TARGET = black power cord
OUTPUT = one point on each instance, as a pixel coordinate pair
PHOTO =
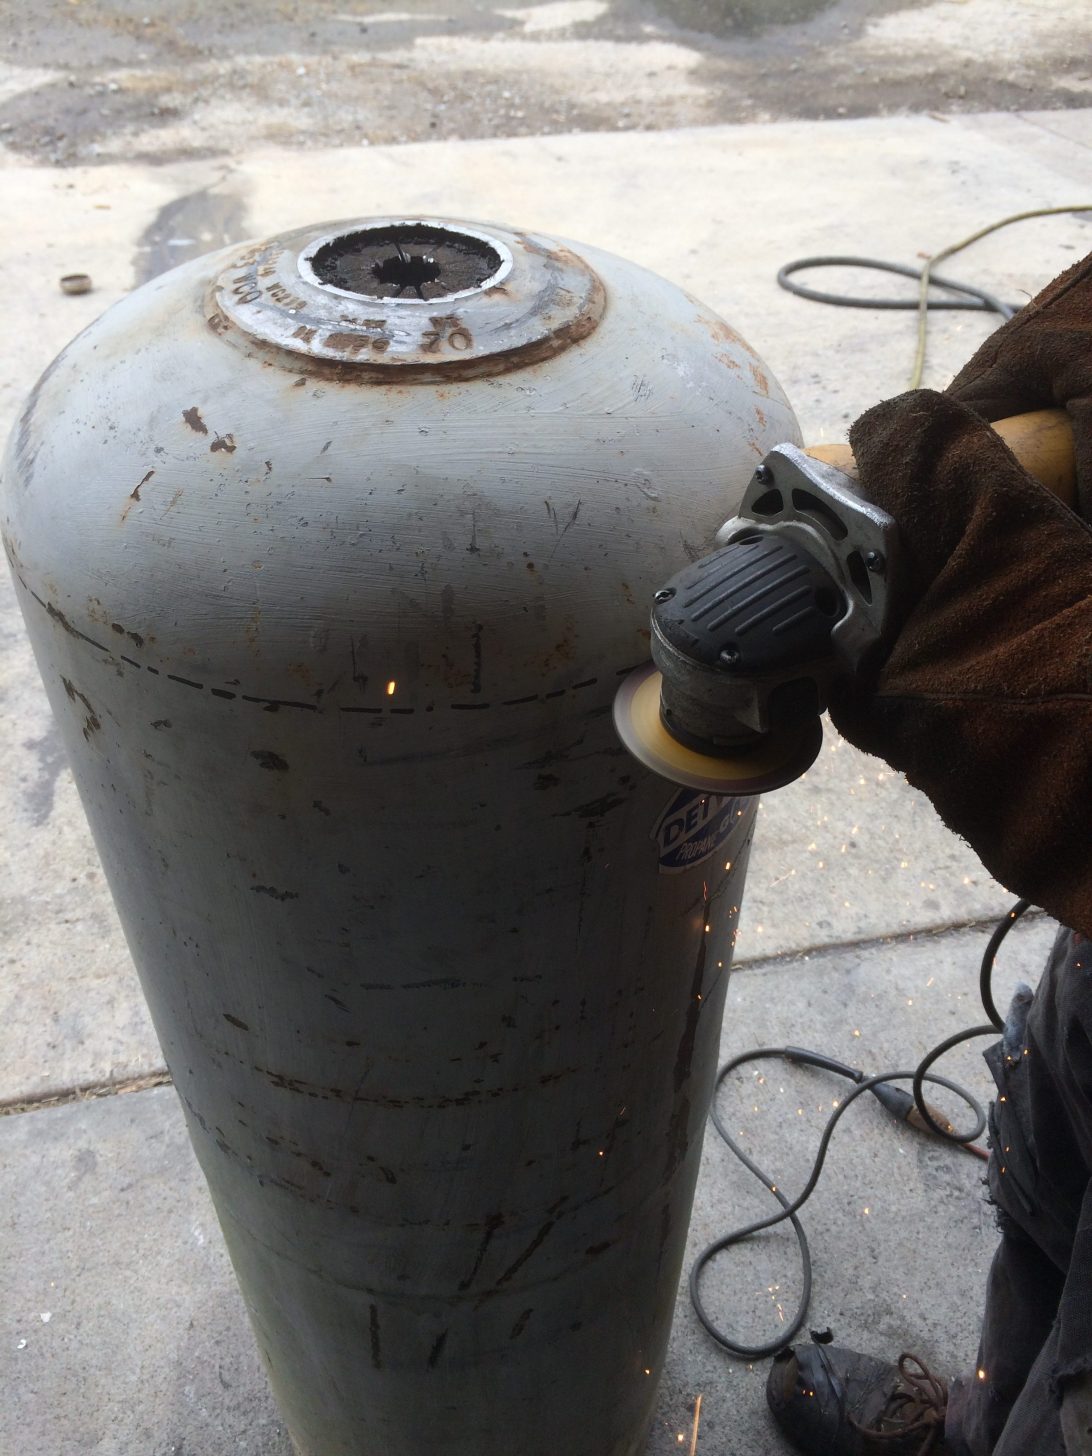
(906, 1107)
(974, 298)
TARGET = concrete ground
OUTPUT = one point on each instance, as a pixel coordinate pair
(83, 81)
(121, 1331)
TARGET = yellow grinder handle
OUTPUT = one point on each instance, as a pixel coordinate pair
(1042, 441)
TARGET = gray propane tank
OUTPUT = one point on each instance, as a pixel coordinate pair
(333, 550)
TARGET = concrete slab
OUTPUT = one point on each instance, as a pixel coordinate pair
(122, 1330)
(847, 853)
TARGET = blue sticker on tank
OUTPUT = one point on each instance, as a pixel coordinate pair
(694, 826)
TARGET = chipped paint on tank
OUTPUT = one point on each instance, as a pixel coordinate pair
(337, 701)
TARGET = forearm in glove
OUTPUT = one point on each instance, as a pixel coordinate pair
(984, 699)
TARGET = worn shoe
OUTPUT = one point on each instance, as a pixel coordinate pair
(834, 1402)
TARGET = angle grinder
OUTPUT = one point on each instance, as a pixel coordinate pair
(748, 640)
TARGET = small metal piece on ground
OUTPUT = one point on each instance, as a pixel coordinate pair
(694, 1431)
(76, 283)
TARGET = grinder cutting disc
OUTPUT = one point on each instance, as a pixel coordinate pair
(774, 760)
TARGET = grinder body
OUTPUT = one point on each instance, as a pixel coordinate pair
(747, 641)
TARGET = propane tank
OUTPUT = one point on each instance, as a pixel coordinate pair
(333, 549)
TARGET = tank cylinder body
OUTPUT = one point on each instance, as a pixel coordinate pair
(333, 550)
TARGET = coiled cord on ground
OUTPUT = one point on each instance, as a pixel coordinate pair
(974, 298)
(879, 1085)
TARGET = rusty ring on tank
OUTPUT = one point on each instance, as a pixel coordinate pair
(426, 298)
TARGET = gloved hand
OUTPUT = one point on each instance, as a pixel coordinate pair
(984, 699)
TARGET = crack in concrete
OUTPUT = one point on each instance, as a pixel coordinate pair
(902, 937)
(84, 1092)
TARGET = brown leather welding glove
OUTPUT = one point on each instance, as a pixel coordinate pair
(984, 699)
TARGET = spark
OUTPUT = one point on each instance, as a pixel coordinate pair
(981, 1373)
(391, 687)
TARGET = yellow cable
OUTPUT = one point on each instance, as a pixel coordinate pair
(923, 287)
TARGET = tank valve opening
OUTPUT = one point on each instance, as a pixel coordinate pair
(407, 272)
(405, 260)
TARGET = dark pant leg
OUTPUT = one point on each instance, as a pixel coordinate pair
(1037, 1327)
(1022, 1297)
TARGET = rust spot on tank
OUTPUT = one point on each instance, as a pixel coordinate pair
(135, 492)
(91, 723)
(134, 637)
(63, 622)
(225, 443)
(192, 417)
(266, 758)
(762, 384)
(565, 649)
(760, 416)
(723, 332)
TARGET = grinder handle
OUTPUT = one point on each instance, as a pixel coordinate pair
(1042, 442)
